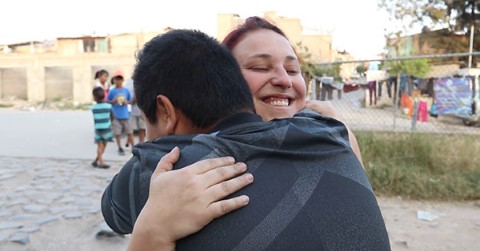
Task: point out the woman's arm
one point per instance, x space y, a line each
182 202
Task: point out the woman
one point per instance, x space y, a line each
272 69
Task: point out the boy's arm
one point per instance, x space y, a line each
110 98
128 99
116 203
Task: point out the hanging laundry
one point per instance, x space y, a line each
422 113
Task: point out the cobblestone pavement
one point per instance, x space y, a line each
49 204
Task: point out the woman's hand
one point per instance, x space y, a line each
326 108
183 201
323 107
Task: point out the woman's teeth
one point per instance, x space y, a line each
278 102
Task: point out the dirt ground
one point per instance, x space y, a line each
457 226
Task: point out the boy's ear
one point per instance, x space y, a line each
167 114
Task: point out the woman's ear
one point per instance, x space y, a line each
167 114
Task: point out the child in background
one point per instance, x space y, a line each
136 119
102 76
102 120
120 97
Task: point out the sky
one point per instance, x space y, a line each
357 26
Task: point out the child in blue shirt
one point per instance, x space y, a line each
120 97
102 120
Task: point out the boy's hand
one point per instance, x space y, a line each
182 202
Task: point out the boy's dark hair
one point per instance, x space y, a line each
98 93
198 75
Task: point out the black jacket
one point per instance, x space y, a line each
310 190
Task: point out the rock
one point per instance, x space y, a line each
401 244
3 237
476 223
79 181
56 210
83 203
6 176
30 229
67 200
73 162
10 225
46 174
47 219
427 216
34 208
22 188
5 213
18 201
82 193
73 215
21 217
20 237
45 187
44 201
66 188
94 210
13 196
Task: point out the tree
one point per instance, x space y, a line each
417 67
456 15
361 69
448 18
307 67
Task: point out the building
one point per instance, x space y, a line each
427 43
65 68
41 71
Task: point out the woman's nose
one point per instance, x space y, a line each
281 78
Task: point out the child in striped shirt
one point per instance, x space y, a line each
102 113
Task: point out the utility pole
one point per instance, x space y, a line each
472 31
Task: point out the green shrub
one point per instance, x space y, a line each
422 166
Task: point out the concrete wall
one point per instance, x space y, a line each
13 82
125 43
58 82
69 46
40 69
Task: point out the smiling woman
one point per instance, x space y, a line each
271 67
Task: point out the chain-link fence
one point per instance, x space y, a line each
385 97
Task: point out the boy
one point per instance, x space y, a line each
136 119
102 120
120 97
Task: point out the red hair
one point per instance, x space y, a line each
252 24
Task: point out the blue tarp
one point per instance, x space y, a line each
453 96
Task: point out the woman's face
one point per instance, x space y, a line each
272 71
